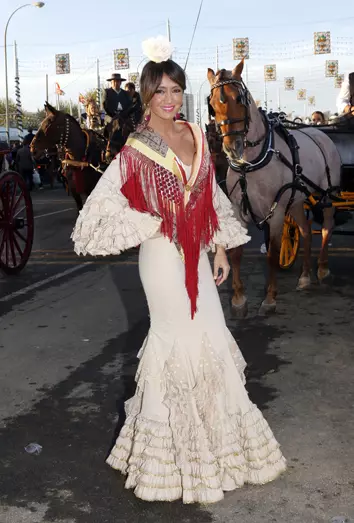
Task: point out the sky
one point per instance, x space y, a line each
88 30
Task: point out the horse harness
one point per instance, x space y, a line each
272 124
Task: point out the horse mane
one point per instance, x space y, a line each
72 119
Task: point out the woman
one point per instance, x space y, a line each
318 118
191 431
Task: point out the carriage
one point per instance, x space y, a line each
343 202
16 221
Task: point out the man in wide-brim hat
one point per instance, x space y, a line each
115 99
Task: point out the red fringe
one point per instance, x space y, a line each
191 227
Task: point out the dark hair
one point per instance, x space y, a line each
320 113
152 74
130 85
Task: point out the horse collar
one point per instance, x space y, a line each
64 137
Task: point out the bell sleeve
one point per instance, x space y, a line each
107 224
230 233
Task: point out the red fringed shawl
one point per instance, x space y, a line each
191 224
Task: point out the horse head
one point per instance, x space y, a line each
56 130
49 132
230 101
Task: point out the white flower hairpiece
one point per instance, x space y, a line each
157 49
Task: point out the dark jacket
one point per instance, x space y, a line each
351 88
137 108
24 160
114 102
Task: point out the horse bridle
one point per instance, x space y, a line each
243 98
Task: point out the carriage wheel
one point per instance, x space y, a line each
16 223
290 243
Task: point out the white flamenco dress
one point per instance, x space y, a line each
191 431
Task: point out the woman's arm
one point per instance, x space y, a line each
221 265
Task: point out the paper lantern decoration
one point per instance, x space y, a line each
121 59
241 48
331 68
322 42
270 73
62 63
311 100
134 77
289 83
339 79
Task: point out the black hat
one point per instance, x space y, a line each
116 76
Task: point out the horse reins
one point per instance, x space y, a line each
243 168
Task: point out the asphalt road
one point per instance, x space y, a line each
70 329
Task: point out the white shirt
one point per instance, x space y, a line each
343 98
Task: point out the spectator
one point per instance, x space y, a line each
318 118
25 163
29 137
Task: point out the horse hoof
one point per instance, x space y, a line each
266 309
303 283
323 275
239 310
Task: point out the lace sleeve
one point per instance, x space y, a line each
107 225
231 233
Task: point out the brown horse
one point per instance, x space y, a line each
63 131
217 153
267 164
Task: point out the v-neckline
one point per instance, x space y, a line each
175 155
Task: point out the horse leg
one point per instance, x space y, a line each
75 194
276 223
239 300
327 230
297 212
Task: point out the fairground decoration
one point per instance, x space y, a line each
270 73
134 77
289 83
331 68
121 59
322 43
311 100
58 89
62 63
339 79
241 48
301 94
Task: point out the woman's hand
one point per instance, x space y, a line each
221 266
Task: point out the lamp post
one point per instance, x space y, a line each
34 4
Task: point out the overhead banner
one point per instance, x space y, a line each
331 68
270 73
339 79
322 42
62 63
311 100
301 94
134 77
241 48
121 59
289 83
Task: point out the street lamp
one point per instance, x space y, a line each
34 4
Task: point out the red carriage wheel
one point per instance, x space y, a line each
16 223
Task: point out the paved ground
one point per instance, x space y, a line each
69 334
